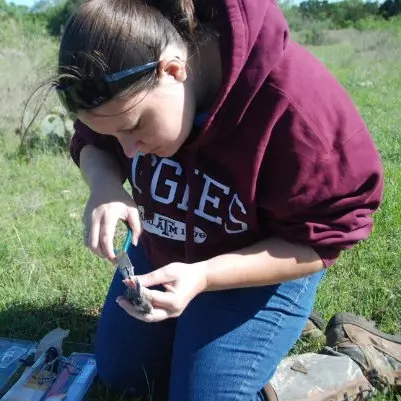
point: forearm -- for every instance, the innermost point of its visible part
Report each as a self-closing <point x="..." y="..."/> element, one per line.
<point x="97" y="166"/>
<point x="267" y="262"/>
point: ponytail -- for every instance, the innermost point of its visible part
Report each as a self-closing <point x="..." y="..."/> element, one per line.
<point x="181" y="13"/>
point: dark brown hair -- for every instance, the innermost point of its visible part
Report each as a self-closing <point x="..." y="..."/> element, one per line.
<point x="107" y="36"/>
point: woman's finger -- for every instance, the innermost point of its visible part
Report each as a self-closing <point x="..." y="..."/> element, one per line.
<point x="156" y="277"/>
<point x="161" y="299"/>
<point x="134" y="221"/>
<point x="106" y="235"/>
<point x="92" y="235"/>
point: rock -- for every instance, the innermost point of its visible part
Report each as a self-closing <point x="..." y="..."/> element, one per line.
<point x="52" y="124"/>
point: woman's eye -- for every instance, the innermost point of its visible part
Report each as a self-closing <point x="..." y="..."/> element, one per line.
<point x="136" y="126"/>
<point x="130" y="131"/>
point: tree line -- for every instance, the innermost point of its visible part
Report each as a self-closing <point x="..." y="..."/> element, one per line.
<point x="52" y="15"/>
<point x="346" y="13"/>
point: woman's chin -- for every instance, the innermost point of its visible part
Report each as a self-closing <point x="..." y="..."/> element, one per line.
<point x="162" y="152"/>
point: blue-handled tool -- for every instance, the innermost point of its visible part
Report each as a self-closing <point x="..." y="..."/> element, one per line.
<point x="128" y="239"/>
<point x="123" y="261"/>
<point x="133" y="293"/>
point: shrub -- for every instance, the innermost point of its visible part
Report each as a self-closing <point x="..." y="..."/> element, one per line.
<point x="314" y="35"/>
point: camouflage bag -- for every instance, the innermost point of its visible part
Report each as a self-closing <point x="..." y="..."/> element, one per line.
<point x="326" y="376"/>
<point x="377" y="353"/>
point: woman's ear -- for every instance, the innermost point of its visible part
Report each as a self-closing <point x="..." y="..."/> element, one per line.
<point x="173" y="68"/>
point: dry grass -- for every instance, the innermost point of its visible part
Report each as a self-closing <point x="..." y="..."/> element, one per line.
<point x="47" y="278"/>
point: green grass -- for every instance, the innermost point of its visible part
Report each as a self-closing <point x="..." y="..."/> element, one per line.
<point x="367" y="276"/>
<point x="48" y="278"/>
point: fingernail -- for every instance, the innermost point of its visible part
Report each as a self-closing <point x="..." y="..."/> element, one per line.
<point x="136" y="241"/>
<point x="118" y="302"/>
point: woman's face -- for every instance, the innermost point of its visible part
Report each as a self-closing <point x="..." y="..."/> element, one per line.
<point x="156" y="121"/>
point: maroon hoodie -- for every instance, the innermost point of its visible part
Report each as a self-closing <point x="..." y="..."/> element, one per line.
<point x="282" y="153"/>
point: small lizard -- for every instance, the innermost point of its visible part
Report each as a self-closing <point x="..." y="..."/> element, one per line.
<point x="133" y="293"/>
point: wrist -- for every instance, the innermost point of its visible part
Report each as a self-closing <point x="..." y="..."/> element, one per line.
<point x="216" y="273"/>
<point x="201" y="270"/>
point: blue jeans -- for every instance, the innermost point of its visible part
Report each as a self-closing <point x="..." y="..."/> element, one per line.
<point x="225" y="346"/>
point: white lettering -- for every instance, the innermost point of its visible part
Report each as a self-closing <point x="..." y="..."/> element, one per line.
<point x="169" y="183"/>
<point x="171" y="190"/>
<point x="153" y="161"/>
<point x="183" y="205"/>
<point x="166" y="227"/>
<point x="215" y="201"/>
<point x="243" y="225"/>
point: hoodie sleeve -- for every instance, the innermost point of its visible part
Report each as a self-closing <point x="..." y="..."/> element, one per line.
<point x="317" y="192"/>
<point x="85" y="136"/>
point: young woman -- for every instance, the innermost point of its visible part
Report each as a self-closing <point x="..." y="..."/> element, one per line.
<point x="250" y="168"/>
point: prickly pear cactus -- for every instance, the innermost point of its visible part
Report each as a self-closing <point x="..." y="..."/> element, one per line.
<point x="57" y="123"/>
<point x="52" y="133"/>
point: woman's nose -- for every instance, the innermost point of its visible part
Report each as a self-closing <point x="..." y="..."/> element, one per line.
<point x="130" y="146"/>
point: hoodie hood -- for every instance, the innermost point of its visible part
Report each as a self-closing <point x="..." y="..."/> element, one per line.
<point x="253" y="38"/>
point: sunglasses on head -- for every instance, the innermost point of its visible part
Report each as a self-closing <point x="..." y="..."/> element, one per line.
<point x="88" y="93"/>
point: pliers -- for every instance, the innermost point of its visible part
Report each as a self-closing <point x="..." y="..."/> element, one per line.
<point x="133" y="293"/>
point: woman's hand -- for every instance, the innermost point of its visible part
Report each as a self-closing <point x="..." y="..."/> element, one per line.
<point x="106" y="205"/>
<point x="182" y="283"/>
<point x="108" y="201"/>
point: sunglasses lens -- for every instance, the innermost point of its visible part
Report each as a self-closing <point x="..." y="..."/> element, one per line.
<point x="85" y="94"/>
<point x="90" y="93"/>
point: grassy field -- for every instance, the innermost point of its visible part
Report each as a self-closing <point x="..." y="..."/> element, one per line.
<point x="47" y="277"/>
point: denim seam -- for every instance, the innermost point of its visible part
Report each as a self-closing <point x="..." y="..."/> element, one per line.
<point x="301" y="292"/>
<point x="256" y="361"/>
<point x="273" y="334"/>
